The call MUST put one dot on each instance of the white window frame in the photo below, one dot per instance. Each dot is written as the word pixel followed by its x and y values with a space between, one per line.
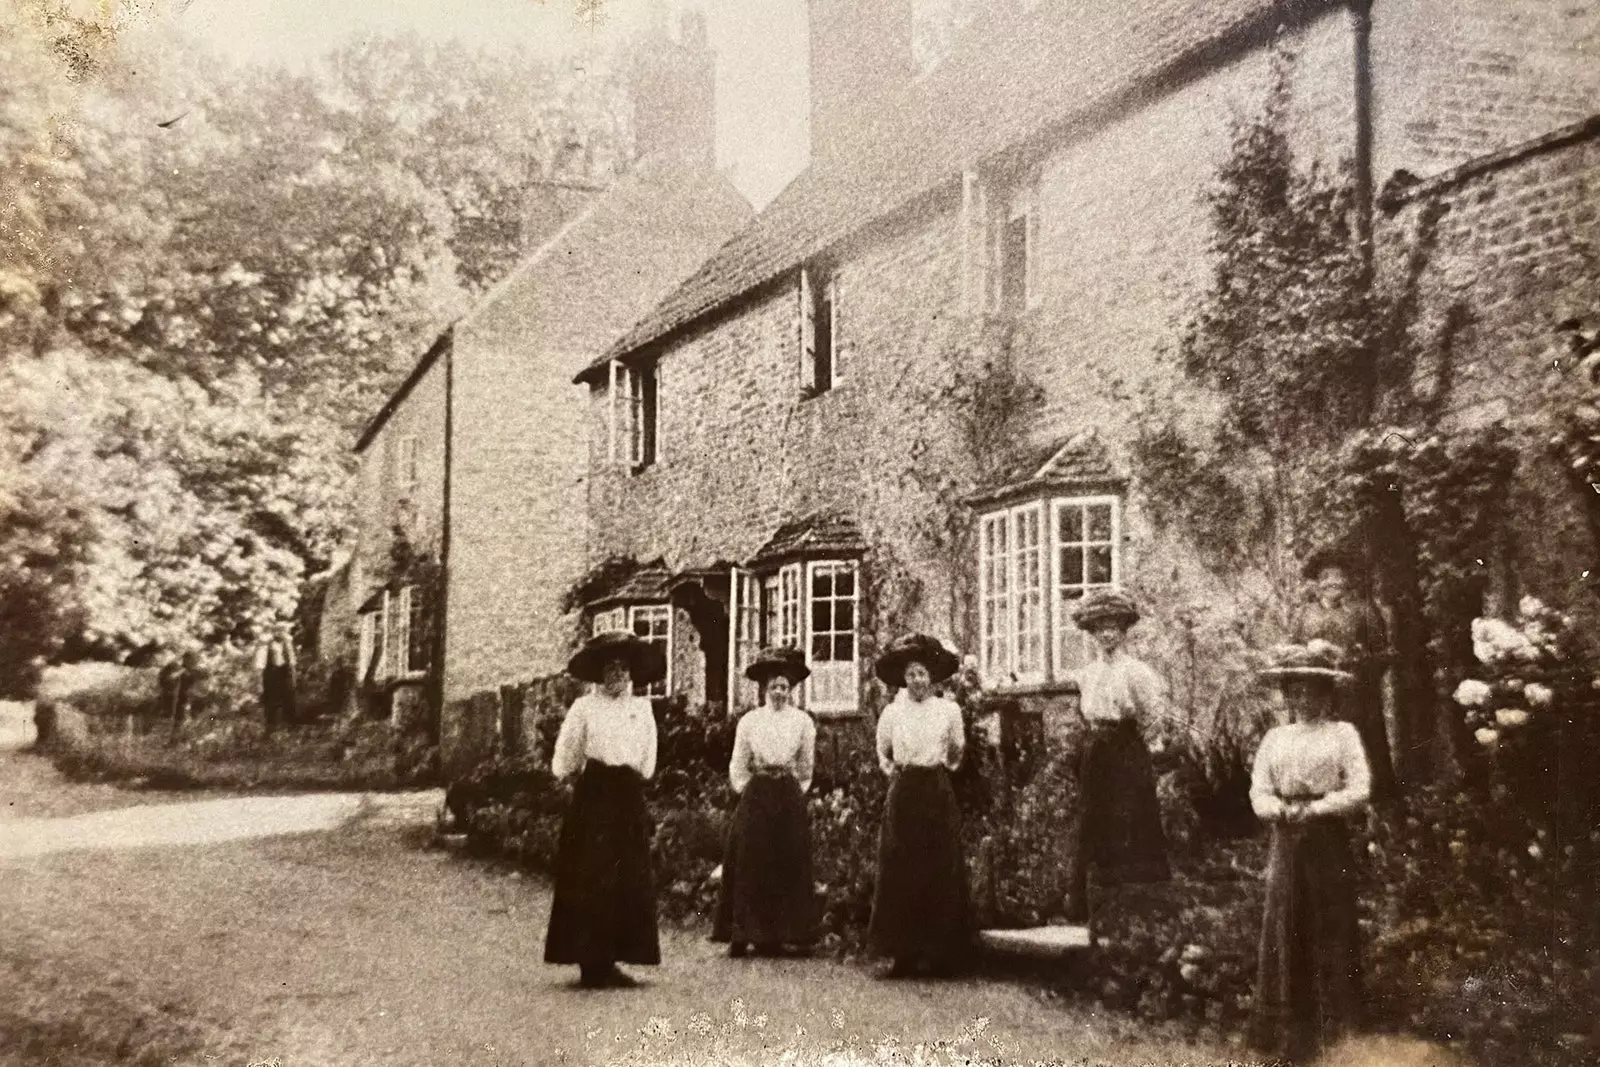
pixel 407 475
pixel 745 621
pixel 844 675
pixel 1021 203
pixel 609 621
pixel 625 416
pixel 808 331
pixel 366 644
pixel 1065 630
pixel 1004 561
pixel 649 614
pixel 386 639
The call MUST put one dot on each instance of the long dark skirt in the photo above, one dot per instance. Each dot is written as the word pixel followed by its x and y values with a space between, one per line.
pixel 1116 825
pixel 919 907
pixel 605 905
pixel 1308 987
pixel 767 895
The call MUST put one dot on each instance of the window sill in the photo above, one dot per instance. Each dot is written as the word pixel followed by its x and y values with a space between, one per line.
pixel 807 395
pixel 831 714
pixel 1033 689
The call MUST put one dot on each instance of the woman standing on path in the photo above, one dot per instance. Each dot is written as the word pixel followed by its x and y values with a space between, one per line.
pixel 1116 824
pixel 767 899
pixel 604 911
pixel 1309 776
pixel 919 908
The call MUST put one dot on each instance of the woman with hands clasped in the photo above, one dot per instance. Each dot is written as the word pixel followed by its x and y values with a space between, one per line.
pixel 919 908
pixel 604 910
pixel 1309 777
pixel 767 899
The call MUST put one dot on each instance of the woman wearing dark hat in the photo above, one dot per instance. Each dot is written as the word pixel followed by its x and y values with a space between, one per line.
pixel 919 908
pixel 1116 825
pixel 1338 615
pixel 1309 776
pixel 767 899
pixel 604 910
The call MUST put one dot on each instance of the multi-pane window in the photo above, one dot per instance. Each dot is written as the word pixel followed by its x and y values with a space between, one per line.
pixel 653 624
pixel 814 607
pixel 633 415
pixel 832 637
pixel 820 365
pixel 1011 592
pixel 393 640
pixel 744 637
pixel 1001 248
pixel 407 476
pixel 1034 560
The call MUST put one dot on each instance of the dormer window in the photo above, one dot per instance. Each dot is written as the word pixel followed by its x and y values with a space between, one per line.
pixel 820 368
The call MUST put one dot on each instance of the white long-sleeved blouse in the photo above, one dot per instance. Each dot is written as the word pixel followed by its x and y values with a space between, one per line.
pixel 620 731
pixel 769 738
pixel 1320 763
pixel 1119 687
pixel 926 733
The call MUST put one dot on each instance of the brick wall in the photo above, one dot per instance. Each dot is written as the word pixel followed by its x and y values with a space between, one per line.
pixel 1518 248
pixel 381 504
pixel 1123 234
pixel 1456 79
pixel 518 520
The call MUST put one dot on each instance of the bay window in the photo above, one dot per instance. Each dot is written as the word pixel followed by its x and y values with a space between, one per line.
pixel 1034 560
pixel 651 623
pixel 812 605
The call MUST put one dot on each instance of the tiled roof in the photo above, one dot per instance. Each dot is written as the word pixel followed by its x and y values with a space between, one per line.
pixel 647 585
pixel 812 536
pixel 1030 75
pixel 1077 460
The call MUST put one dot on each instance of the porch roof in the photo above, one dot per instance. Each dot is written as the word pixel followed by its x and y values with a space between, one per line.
pixel 811 537
pixel 1076 462
pixel 647 585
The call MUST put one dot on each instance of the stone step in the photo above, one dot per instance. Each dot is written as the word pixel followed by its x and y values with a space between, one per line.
pixel 1040 941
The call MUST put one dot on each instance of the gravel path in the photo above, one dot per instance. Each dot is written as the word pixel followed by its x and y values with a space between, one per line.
pixel 321 933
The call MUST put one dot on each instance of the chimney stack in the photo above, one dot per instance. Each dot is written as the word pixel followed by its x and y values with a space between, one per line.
pixel 673 89
pixel 861 59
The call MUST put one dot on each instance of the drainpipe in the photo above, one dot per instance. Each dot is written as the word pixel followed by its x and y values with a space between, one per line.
pixel 1361 13
pixel 441 640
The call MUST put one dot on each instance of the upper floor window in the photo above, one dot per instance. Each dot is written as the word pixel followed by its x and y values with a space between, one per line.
pixel 633 414
pixel 1000 226
pixel 812 605
pixel 1034 560
pixel 820 366
pixel 407 476
pixel 650 622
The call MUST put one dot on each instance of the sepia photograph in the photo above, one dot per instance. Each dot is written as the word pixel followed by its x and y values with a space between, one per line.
pixel 942 533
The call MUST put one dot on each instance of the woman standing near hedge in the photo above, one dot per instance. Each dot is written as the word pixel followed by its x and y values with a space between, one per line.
pixel 767 899
pixel 919 908
pixel 1309 776
pixel 604 911
pixel 1116 824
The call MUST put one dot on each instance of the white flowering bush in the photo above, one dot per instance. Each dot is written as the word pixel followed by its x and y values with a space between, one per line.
pixel 1532 695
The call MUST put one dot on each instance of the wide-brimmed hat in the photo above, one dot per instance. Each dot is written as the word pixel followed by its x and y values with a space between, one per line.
pixel 915 648
pixel 1324 558
pixel 1313 661
pixel 645 661
pixel 771 662
pixel 1102 606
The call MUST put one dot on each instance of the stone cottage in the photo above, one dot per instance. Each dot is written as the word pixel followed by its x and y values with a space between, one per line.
pixel 471 510
pixel 1030 185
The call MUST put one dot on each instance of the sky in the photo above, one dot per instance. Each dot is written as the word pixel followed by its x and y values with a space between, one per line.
pixel 760 47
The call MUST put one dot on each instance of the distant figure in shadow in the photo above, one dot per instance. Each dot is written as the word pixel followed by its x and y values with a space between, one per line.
pixel 275 661
pixel 1347 620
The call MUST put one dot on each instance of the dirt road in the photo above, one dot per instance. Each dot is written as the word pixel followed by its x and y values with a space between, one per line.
pixel 316 931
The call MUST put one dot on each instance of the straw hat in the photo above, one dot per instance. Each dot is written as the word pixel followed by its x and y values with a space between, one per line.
pixel 645 662
pixel 771 662
pixel 915 648
pixel 1317 661
pixel 1103 606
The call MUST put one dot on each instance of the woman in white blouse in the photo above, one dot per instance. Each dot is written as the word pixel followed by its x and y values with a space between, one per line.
pixel 1116 824
pixel 767 899
pixel 1309 777
pixel 919 906
pixel 604 911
